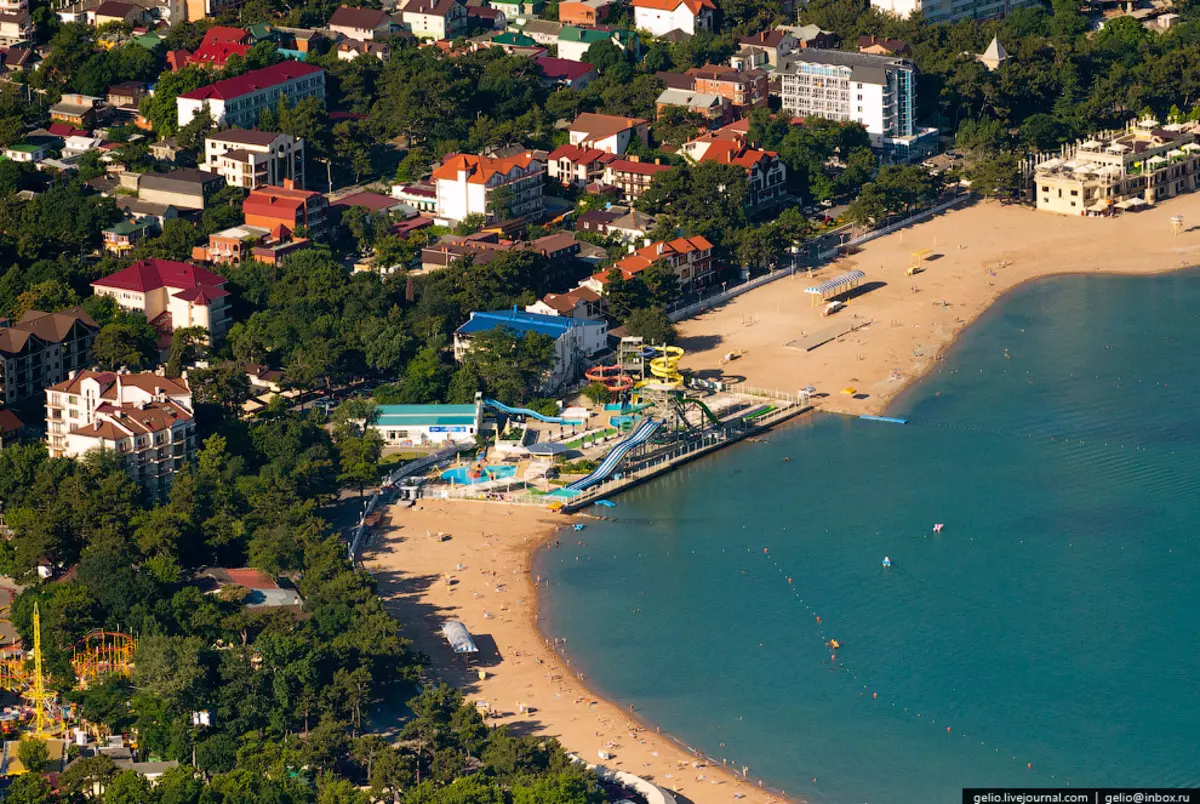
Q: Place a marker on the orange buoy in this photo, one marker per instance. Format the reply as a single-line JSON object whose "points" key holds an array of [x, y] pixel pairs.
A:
{"points": [[947, 729], [874, 694]]}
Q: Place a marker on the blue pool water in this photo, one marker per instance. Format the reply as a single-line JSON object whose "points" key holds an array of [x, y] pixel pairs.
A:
{"points": [[461, 474], [1051, 626]]}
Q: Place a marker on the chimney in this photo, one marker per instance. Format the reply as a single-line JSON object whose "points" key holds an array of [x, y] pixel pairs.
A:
{"points": [[657, 161], [288, 184], [634, 158]]}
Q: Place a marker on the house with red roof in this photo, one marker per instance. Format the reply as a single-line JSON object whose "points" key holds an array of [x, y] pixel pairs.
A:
{"points": [[146, 419], [467, 184], [689, 257], [566, 73], [238, 101], [172, 295], [273, 207], [661, 17], [631, 176], [730, 145], [577, 165], [362, 24]]}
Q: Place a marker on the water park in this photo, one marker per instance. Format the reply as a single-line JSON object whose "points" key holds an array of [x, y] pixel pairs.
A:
{"points": [[651, 415]]}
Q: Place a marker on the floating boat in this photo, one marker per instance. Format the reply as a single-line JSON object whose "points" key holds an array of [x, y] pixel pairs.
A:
{"points": [[938, 528], [579, 526], [606, 503], [887, 561]]}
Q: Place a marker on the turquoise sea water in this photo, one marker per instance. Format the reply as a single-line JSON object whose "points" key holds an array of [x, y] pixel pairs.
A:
{"points": [[1052, 625]]}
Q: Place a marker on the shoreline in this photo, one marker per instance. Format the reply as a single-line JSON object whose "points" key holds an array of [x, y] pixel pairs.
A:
{"points": [[1008, 247], [496, 596]]}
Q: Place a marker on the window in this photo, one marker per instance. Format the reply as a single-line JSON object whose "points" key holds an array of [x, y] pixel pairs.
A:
{"points": [[1075, 192]]}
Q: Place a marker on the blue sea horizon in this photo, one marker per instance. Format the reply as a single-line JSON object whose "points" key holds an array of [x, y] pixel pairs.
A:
{"points": [[1044, 638]]}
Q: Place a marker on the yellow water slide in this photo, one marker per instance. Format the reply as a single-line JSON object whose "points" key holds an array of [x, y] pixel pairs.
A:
{"points": [[665, 367]]}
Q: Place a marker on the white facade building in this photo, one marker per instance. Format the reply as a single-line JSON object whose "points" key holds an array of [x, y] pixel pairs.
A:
{"points": [[877, 91], [251, 159], [145, 418], [660, 17], [238, 101], [466, 185], [951, 10]]}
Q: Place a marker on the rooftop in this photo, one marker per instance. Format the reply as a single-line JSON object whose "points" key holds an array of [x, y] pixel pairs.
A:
{"points": [[599, 126], [253, 81], [362, 18], [522, 322], [424, 415]]}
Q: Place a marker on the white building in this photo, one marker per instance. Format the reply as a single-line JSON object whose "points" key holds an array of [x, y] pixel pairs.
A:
{"points": [[363, 24], [467, 185], [574, 338], [434, 19], [660, 17], [238, 101], [251, 159], [877, 91], [427, 425], [172, 295], [609, 133], [15, 27], [145, 418], [951, 10], [421, 196]]}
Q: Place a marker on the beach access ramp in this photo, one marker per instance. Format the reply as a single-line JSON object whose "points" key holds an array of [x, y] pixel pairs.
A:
{"points": [[611, 461], [526, 412]]}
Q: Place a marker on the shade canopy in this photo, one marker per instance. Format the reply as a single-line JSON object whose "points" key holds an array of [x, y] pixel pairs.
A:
{"points": [[459, 637], [837, 285], [547, 448]]}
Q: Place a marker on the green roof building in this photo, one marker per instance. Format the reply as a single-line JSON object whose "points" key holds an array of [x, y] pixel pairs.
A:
{"points": [[427, 425]]}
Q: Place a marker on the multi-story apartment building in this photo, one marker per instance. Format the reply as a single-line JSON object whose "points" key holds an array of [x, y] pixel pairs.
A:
{"points": [[1142, 164], [15, 27], [951, 10], [877, 91], [251, 159], [273, 207], [744, 89], [172, 295], [474, 185], [238, 101], [689, 257], [765, 171], [631, 176], [145, 418], [42, 349], [606, 132]]}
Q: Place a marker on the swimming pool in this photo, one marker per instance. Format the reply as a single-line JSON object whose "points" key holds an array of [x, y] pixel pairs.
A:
{"points": [[462, 474]]}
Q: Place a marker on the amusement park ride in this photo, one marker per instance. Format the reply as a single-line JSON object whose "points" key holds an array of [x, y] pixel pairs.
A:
{"points": [[99, 654]]}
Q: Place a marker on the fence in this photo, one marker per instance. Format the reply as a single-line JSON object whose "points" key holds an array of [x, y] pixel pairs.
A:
{"points": [[395, 476], [700, 306]]}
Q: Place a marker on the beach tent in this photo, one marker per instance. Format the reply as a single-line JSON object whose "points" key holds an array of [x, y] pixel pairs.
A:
{"points": [[459, 637], [835, 286]]}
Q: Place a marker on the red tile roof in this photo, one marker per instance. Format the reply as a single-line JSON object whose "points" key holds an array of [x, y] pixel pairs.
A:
{"points": [[374, 202], [152, 274], [9, 422], [576, 154], [253, 81], [217, 53], [276, 202], [201, 295], [226, 34], [563, 69], [480, 168], [361, 18], [693, 6]]}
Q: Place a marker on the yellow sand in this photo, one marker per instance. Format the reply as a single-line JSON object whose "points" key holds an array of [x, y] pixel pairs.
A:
{"points": [[978, 254]]}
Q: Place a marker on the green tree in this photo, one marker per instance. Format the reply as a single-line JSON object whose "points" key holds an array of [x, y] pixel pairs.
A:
{"points": [[652, 324], [358, 460], [129, 342], [33, 754]]}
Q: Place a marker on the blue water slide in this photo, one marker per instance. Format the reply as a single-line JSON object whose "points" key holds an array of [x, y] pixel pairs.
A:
{"points": [[533, 414], [609, 465]]}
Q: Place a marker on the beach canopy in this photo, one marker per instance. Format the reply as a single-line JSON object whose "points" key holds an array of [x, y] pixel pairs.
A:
{"points": [[1128, 203], [459, 637], [547, 448], [838, 284]]}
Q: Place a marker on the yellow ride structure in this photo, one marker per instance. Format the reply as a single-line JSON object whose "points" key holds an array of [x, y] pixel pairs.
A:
{"points": [[664, 369], [103, 653]]}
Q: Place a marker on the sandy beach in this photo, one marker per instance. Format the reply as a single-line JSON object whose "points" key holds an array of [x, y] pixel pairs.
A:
{"points": [[904, 323], [494, 595], [977, 254]]}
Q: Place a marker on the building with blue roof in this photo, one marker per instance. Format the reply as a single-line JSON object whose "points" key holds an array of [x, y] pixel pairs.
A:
{"points": [[428, 425], [574, 339]]}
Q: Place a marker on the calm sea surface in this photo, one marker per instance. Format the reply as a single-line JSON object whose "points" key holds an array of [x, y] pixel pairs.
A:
{"points": [[1047, 637]]}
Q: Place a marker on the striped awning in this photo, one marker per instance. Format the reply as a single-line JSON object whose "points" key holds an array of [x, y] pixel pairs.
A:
{"points": [[837, 284]]}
